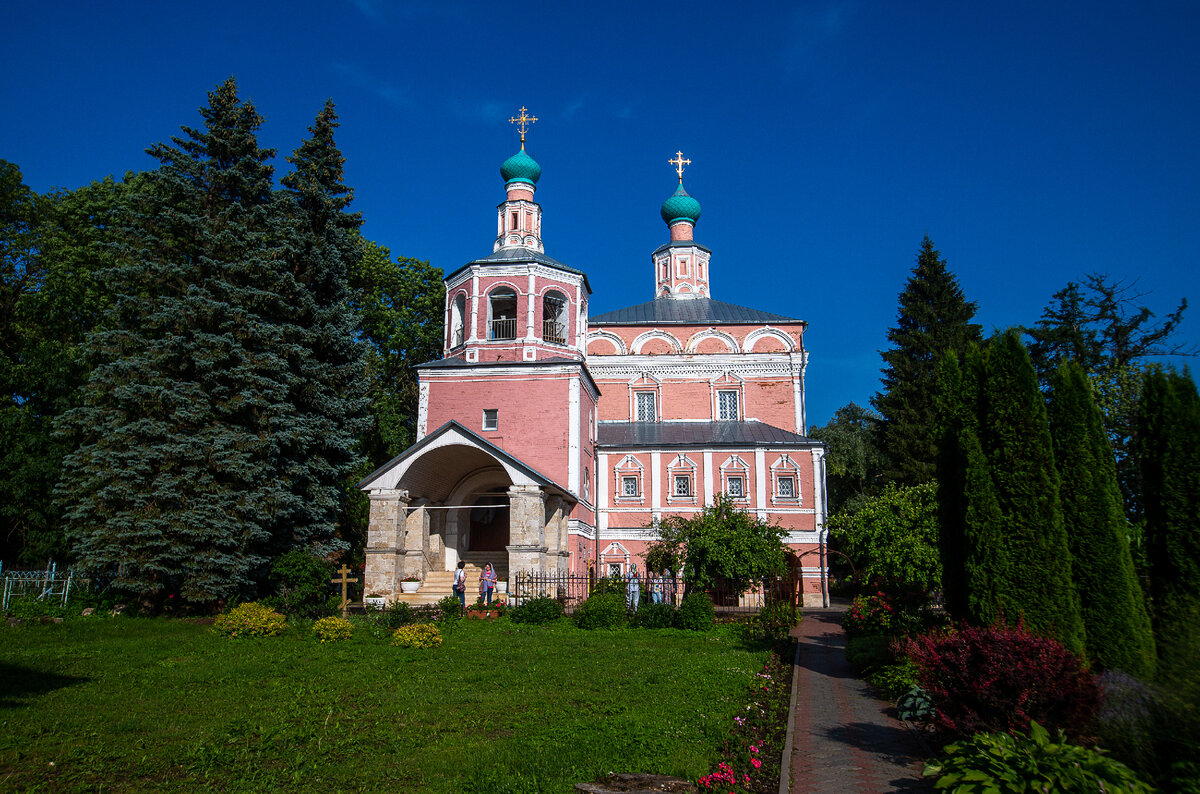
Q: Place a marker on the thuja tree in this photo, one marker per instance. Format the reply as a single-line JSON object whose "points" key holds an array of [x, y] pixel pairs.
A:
{"points": [[185, 475], [1116, 624], [1010, 532], [934, 317], [720, 545], [1168, 454]]}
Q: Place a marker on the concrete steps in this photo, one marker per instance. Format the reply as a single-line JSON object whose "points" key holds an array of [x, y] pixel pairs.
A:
{"points": [[439, 584]]}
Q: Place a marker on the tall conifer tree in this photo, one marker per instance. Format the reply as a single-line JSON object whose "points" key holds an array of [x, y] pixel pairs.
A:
{"points": [[326, 355], [934, 317], [1168, 453], [178, 483], [1111, 603]]}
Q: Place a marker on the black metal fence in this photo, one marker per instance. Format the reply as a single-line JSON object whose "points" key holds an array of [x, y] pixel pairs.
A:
{"points": [[573, 589]]}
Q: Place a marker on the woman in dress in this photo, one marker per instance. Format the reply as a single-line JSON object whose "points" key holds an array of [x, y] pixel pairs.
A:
{"points": [[487, 584]]}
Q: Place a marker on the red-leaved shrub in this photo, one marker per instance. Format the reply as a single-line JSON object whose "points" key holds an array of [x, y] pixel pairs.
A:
{"points": [[998, 678]]}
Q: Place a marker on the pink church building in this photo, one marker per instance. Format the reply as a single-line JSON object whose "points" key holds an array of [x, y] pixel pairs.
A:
{"points": [[549, 441]]}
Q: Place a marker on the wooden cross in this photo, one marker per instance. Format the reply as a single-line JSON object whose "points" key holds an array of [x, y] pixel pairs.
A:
{"points": [[523, 121], [343, 581], [679, 163]]}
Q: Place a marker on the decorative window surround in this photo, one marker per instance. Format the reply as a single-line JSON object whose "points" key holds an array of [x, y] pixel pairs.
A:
{"points": [[628, 469], [785, 481], [681, 473], [736, 469]]}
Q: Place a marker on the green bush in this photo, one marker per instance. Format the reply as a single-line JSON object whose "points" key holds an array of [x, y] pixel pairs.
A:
{"points": [[418, 635], [870, 653], [251, 619], [654, 616], [300, 584], [776, 619], [894, 679], [696, 612], [449, 612], [397, 614], [537, 610], [992, 762], [332, 629], [601, 611]]}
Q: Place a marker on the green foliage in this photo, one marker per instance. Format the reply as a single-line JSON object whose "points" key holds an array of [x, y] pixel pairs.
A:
{"points": [[893, 535], [250, 619], [934, 318], [870, 652], [868, 614], [601, 611], [332, 629], [1116, 624], [1168, 454], [397, 614], [915, 705], [300, 582], [450, 612], [721, 545], [1006, 524], [696, 612], [991, 762], [418, 635], [537, 611], [654, 616], [854, 463], [895, 680], [776, 619]]}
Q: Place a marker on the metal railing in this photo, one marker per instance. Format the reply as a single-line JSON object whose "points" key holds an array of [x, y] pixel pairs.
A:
{"points": [[504, 328], [47, 585], [571, 590]]}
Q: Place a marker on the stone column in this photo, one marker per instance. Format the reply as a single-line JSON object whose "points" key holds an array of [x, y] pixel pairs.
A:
{"points": [[557, 550], [385, 541], [527, 529], [437, 539], [416, 543]]}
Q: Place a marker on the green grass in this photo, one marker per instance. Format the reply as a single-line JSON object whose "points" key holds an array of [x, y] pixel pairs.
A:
{"points": [[135, 704]]}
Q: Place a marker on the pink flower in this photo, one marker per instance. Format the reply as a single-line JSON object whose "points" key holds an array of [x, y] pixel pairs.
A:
{"points": [[753, 749], [756, 762]]}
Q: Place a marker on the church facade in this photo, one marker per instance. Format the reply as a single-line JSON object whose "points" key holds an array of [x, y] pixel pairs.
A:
{"points": [[550, 441]]}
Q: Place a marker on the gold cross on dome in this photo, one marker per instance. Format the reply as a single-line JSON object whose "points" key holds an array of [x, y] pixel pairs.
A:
{"points": [[679, 163], [522, 121]]}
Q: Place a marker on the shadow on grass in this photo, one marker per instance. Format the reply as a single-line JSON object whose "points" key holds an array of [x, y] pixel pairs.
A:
{"points": [[18, 684]]}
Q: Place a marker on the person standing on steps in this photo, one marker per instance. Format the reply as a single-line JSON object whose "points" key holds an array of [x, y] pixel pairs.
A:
{"points": [[460, 583], [487, 584], [633, 589]]}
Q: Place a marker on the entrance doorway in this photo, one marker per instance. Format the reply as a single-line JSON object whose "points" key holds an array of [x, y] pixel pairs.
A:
{"points": [[489, 522]]}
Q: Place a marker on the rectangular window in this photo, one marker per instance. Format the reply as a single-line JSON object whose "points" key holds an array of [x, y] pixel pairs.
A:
{"points": [[491, 418], [735, 487], [629, 486], [727, 406], [683, 485], [645, 407], [786, 487]]}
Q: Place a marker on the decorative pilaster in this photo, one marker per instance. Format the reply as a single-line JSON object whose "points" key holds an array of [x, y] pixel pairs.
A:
{"points": [[416, 543], [527, 528]]}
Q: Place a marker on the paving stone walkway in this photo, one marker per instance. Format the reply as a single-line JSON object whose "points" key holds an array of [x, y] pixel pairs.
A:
{"points": [[844, 739]]}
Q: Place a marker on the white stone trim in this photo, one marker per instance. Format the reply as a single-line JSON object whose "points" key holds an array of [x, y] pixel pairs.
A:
{"points": [[654, 333], [712, 333], [573, 418], [622, 350], [768, 331]]}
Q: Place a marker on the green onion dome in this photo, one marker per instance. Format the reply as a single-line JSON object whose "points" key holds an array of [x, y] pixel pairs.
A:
{"points": [[680, 207], [521, 168]]}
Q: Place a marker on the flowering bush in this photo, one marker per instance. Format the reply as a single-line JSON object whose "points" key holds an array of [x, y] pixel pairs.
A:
{"points": [[754, 748], [418, 635], [868, 615], [250, 619], [332, 629], [999, 678]]}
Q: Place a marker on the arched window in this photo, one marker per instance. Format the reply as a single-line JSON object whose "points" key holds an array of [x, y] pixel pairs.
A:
{"points": [[554, 318], [457, 312], [502, 314]]}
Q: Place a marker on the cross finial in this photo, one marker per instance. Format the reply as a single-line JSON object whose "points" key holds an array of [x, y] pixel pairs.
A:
{"points": [[679, 163], [522, 121]]}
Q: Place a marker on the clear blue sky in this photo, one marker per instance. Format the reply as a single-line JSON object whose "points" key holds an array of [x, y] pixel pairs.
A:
{"points": [[1033, 141]]}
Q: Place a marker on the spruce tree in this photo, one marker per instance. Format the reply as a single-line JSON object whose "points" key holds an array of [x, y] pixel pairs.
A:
{"points": [[1111, 604], [934, 317], [179, 480], [1168, 453], [326, 355]]}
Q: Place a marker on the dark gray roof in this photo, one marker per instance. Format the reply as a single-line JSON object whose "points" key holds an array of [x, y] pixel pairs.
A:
{"points": [[690, 434], [516, 254], [682, 311]]}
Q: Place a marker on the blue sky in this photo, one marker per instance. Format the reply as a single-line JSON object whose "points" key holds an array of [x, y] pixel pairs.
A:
{"points": [[1033, 141]]}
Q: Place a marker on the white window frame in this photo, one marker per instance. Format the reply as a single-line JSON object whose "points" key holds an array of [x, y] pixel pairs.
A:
{"points": [[682, 466], [688, 491], [722, 415], [783, 469], [628, 467], [492, 414], [740, 479], [629, 479], [652, 396]]}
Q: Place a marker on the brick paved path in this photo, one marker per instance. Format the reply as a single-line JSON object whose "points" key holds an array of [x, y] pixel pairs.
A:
{"points": [[845, 740]]}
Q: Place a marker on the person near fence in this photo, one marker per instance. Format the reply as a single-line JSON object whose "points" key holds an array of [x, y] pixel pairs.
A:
{"points": [[460, 583], [656, 588], [633, 588], [487, 584]]}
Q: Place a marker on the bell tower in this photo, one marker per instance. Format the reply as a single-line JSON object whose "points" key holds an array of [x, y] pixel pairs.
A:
{"points": [[681, 266], [519, 217]]}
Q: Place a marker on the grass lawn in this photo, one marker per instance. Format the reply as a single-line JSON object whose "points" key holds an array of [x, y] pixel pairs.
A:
{"points": [[135, 704]]}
